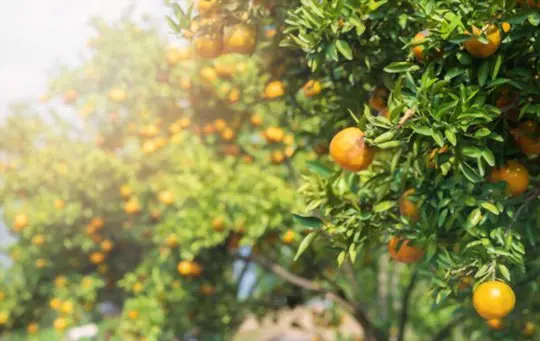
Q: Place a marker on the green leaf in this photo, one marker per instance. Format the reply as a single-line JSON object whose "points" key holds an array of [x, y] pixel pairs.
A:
{"points": [[319, 168], [490, 207], [451, 136], [497, 67], [384, 206], [470, 173], [345, 49], [398, 67], [488, 156], [305, 244], [387, 136], [504, 271], [474, 218], [426, 131], [172, 24], [389, 145], [312, 222], [341, 258], [483, 73]]}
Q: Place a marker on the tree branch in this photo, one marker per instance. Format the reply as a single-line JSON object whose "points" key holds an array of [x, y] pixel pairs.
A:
{"points": [[371, 332], [405, 307]]}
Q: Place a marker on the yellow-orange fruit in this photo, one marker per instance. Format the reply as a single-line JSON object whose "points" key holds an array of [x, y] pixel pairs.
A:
{"points": [[274, 89], [349, 150], [405, 254], [240, 38], [418, 48], [514, 174], [312, 88], [407, 208], [478, 49], [208, 45], [494, 300]]}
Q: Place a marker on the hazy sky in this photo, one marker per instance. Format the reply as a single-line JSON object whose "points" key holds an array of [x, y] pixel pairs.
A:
{"points": [[36, 35]]}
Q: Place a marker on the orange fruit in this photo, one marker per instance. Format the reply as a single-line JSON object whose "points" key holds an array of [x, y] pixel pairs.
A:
{"points": [[274, 89], [126, 191], [240, 38], [405, 254], [418, 48], [207, 289], [349, 150], [478, 49], [208, 74], [274, 134], [506, 27], [175, 55], [465, 282], [97, 222], [495, 324], [32, 328], [55, 303], [20, 222], [288, 237], [208, 45], [206, 6], [171, 241], [277, 157], [59, 204], [218, 224], [527, 136], [117, 95], [529, 330], [60, 281], [132, 206], [312, 88], [434, 152], [378, 98], [38, 240], [67, 307], [41, 263], [255, 120], [107, 245], [407, 208], [493, 300], [189, 268], [97, 257], [233, 96], [166, 197], [514, 174], [70, 96], [133, 314], [60, 324]]}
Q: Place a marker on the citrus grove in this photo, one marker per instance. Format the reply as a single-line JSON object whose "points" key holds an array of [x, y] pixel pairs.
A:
{"points": [[381, 155]]}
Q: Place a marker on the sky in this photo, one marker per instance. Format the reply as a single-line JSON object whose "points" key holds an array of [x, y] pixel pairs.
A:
{"points": [[37, 35]]}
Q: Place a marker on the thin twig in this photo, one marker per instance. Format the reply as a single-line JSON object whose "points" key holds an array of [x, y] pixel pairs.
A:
{"points": [[534, 194], [408, 115], [405, 307]]}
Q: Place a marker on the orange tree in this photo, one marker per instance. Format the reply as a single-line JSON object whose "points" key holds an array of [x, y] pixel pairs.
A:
{"points": [[433, 142], [157, 179]]}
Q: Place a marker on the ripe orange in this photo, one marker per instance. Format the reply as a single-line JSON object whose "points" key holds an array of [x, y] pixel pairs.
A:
{"points": [[208, 45], [38, 240], [407, 208], [405, 254], [274, 134], [60, 281], [493, 300], [206, 6], [274, 89], [55, 303], [240, 38], [117, 95], [288, 237], [97, 257], [175, 55], [418, 48], [255, 120], [32, 328], [126, 191], [20, 222], [506, 27], [529, 330], [349, 150], [465, 282], [208, 75], [527, 136], [478, 49], [514, 174], [312, 88], [133, 314], [67, 307], [97, 222], [434, 152], [132, 206], [207, 289], [234, 96], [189, 268], [277, 157], [107, 245], [218, 224], [60, 324], [70, 96], [41, 263], [171, 241], [495, 324], [59, 204], [378, 98], [166, 197]]}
